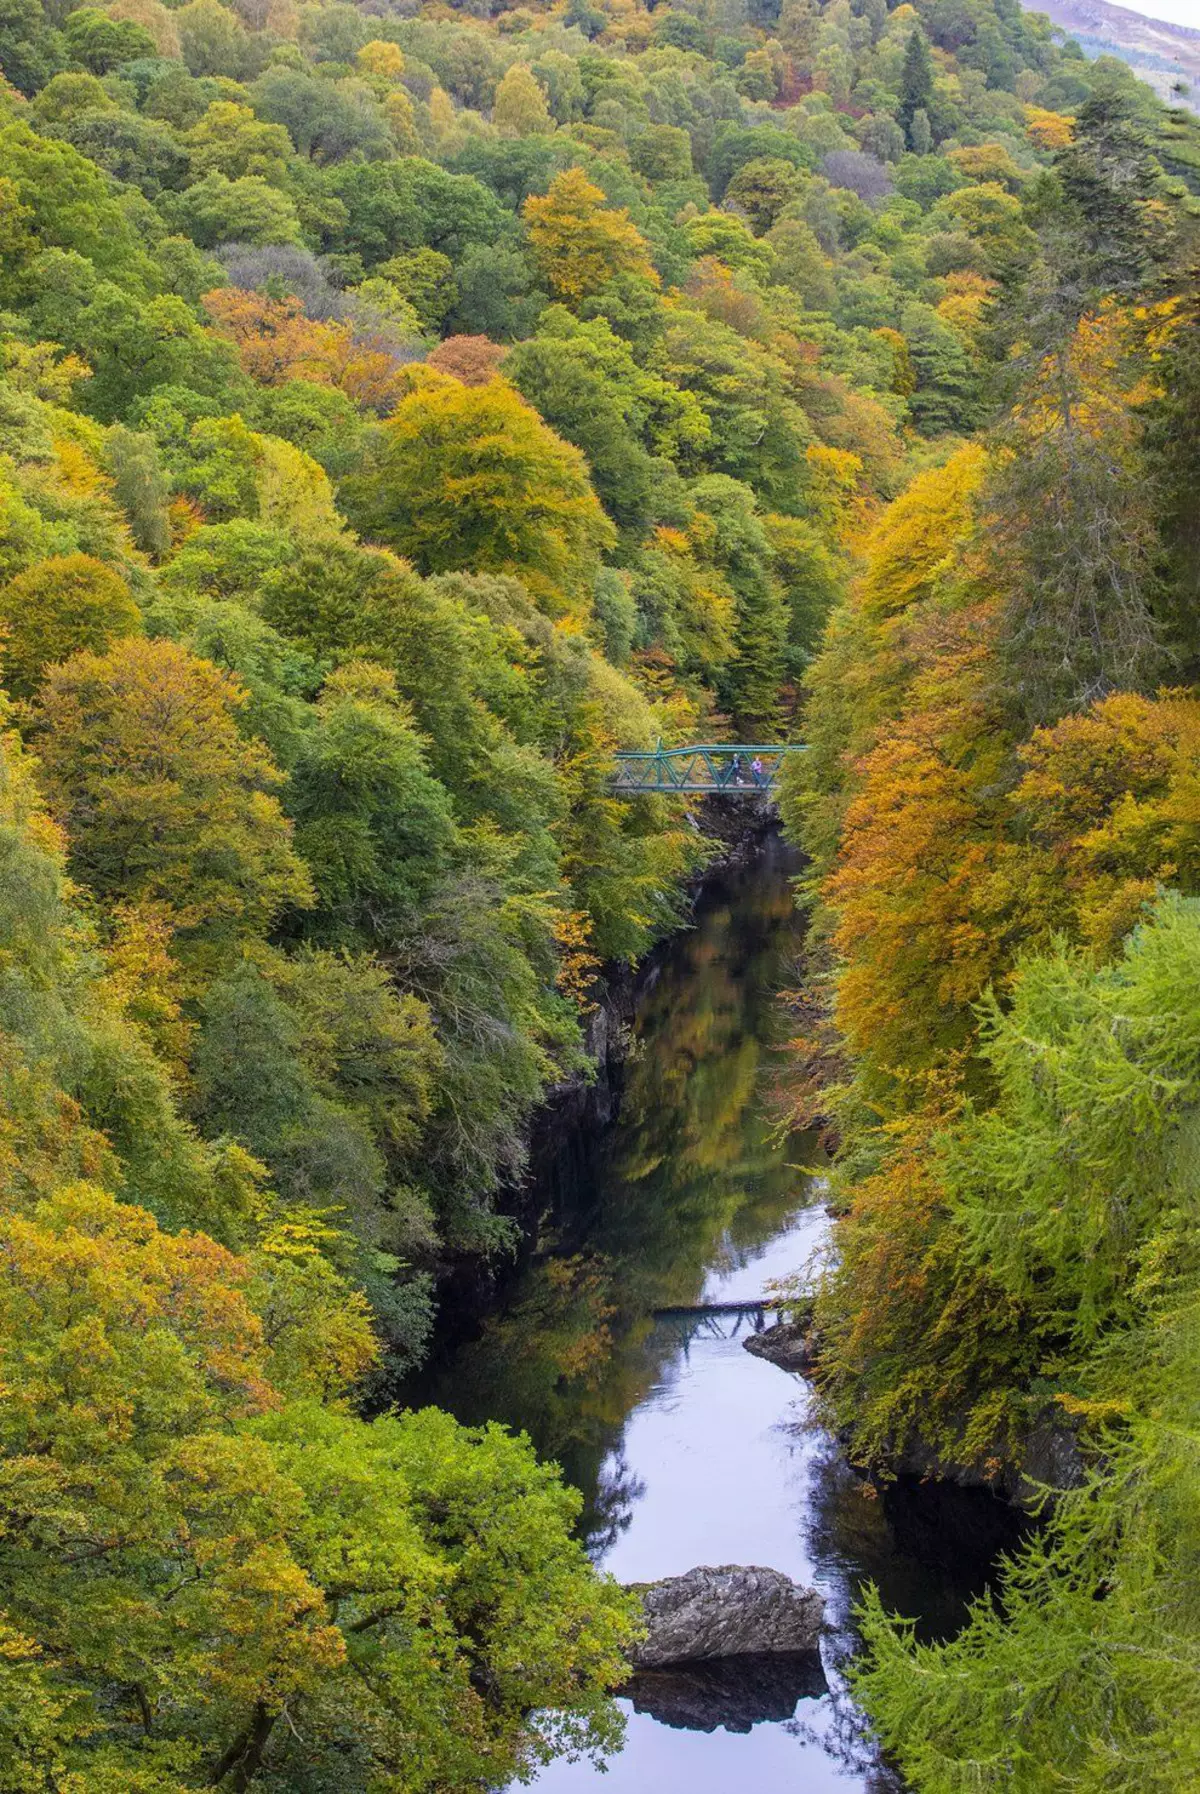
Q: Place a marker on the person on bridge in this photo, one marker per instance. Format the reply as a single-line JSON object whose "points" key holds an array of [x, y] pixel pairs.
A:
{"points": [[756, 769], [735, 769]]}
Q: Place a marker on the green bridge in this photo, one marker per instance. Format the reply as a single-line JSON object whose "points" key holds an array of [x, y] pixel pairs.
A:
{"points": [[686, 771]]}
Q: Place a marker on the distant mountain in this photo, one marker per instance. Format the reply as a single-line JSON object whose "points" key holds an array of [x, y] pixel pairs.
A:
{"points": [[1162, 55]]}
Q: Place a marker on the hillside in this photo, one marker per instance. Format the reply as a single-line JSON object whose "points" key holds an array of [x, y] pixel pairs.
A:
{"points": [[1165, 56]]}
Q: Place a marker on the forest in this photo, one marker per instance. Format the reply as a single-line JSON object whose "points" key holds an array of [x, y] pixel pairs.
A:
{"points": [[403, 407]]}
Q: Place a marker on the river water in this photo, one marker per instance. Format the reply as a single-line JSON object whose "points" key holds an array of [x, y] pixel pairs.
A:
{"points": [[687, 1449]]}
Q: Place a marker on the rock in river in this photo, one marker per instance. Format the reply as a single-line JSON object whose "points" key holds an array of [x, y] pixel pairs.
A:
{"points": [[788, 1344], [727, 1612]]}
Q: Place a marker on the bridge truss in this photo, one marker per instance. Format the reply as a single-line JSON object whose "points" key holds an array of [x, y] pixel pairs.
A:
{"points": [[695, 771]]}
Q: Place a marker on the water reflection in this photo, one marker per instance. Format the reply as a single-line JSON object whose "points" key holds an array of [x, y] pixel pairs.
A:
{"points": [[690, 1179], [732, 1694], [687, 1449]]}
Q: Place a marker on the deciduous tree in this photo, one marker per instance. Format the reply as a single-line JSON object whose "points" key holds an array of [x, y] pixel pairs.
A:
{"points": [[161, 797], [56, 607], [578, 242], [470, 477]]}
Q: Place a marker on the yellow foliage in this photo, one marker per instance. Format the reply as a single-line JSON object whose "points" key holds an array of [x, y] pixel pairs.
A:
{"points": [[77, 470], [577, 964], [383, 60], [294, 492], [965, 307], [835, 477], [917, 536], [1049, 130], [1113, 798], [520, 108], [987, 162], [578, 242], [44, 369], [143, 981]]}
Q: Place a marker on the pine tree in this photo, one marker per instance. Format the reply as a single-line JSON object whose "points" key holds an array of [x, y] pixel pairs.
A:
{"points": [[916, 85]]}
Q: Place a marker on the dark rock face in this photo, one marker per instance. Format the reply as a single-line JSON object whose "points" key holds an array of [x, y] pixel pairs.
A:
{"points": [[788, 1344], [1048, 1456], [733, 1692], [727, 1612]]}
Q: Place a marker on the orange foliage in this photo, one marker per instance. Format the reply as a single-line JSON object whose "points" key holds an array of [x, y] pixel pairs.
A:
{"points": [[926, 885], [272, 336], [715, 290], [472, 359], [1049, 130], [276, 342]]}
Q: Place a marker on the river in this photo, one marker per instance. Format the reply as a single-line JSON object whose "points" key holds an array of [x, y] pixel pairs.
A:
{"points": [[688, 1450]]}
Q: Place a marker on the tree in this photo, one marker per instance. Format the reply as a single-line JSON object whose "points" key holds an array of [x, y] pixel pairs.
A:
{"points": [[138, 150], [1112, 182], [344, 1072], [162, 799], [70, 206], [216, 210], [519, 108], [141, 489], [101, 43], [214, 41], [31, 51], [372, 822], [326, 122], [472, 359], [573, 376], [762, 188], [495, 294], [471, 477], [916, 84], [425, 277], [945, 395], [736, 541], [662, 153], [198, 1551], [1073, 533], [84, 1085], [229, 140], [578, 242], [65, 96], [1065, 1196], [410, 203], [56, 607]]}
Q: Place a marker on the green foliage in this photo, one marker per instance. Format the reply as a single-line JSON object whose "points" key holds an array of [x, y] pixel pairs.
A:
{"points": [[1076, 1191], [162, 800], [470, 477], [232, 1559], [57, 607]]}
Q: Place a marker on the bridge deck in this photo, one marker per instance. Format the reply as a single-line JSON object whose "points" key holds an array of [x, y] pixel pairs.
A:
{"points": [[739, 769]]}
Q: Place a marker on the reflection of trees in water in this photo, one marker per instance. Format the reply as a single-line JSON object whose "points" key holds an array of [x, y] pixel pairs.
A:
{"points": [[609, 1512], [931, 1548], [842, 1735], [691, 1170]]}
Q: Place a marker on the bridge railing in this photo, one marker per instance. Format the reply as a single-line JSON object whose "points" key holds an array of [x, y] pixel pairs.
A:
{"points": [[715, 766]]}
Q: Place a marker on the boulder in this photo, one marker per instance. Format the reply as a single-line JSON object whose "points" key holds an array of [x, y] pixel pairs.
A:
{"points": [[788, 1344], [727, 1612]]}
